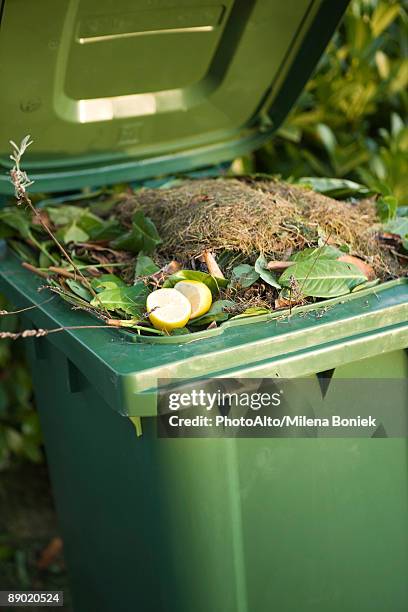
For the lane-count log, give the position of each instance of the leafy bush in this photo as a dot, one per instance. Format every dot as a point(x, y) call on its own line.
point(349, 121)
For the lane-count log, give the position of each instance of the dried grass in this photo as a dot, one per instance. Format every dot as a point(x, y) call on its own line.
point(248, 217)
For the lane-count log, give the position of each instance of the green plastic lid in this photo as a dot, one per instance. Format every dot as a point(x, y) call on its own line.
point(127, 90)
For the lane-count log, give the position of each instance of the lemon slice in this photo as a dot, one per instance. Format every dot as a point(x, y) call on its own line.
point(168, 309)
point(198, 295)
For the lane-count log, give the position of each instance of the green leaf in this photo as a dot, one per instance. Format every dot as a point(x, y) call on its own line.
point(243, 276)
point(23, 251)
point(6, 231)
point(264, 273)
point(180, 331)
point(130, 300)
point(79, 223)
point(383, 16)
point(366, 285)
point(45, 258)
point(145, 266)
point(253, 311)
point(19, 220)
point(109, 230)
point(216, 313)
point(323, 278)
point(387, 207)
point(90, 224)
point(79, 289)
point(73, 233)
point(107, 281)
point(324, 252)
point(142, 237)
point(65, 214)
point(212, 282)
point(334, 187)
point(398, 226)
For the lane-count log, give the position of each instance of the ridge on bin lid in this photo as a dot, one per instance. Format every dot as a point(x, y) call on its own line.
point(119, 93)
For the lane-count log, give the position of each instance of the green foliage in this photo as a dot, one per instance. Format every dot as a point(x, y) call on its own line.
point(20, 436)
point(264, 273)
point(218, 312)
point(129, 300)
point(142, 237)
point(350, 122)
point(243, 276)
point(324, 278)
point(145, 266)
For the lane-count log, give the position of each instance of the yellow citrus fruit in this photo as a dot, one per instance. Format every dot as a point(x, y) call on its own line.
point(168, 309)
point(198, 294)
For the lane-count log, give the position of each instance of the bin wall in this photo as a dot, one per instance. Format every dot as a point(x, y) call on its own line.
point(240, 525)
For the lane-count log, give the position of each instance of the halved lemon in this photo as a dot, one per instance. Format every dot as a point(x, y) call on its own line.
point(168, 309)
point(197, 294)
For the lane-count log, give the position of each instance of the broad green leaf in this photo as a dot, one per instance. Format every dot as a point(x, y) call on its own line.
point(216, 313)
point(264, 273)
point(89, 223)
point(109, 230)
point(334, 187)
point(142, 237)
point(244, 276)
point(73, 233)
point(212, 282)
point(398, 226)
point(130, 300)
point(145, 266)
point(65, 214)
point(323, 278)
point(324, 252)
point(77, 288)
point(107, 281)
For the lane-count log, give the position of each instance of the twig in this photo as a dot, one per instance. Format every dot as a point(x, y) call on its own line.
point(21, 182)
point(40, 333)
point(63, 272)
point(34, 270)
point(212, 265)
point(15, 312)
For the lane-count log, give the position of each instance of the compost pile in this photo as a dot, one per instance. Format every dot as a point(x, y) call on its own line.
point(259, 245)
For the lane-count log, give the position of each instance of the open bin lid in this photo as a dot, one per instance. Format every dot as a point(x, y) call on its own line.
point(128, 90)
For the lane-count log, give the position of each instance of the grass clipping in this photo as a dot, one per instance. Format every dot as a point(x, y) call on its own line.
point(246, 217)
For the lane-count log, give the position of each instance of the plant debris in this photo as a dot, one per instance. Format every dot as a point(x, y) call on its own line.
point(258, 245)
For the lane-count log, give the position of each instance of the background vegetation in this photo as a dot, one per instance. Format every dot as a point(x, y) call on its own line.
point(350, 122)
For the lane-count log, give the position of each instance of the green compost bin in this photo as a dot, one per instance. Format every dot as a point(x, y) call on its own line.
point(175, 525)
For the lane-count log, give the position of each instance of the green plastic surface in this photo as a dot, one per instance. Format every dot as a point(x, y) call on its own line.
point(231, 525)
point(122, 91)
